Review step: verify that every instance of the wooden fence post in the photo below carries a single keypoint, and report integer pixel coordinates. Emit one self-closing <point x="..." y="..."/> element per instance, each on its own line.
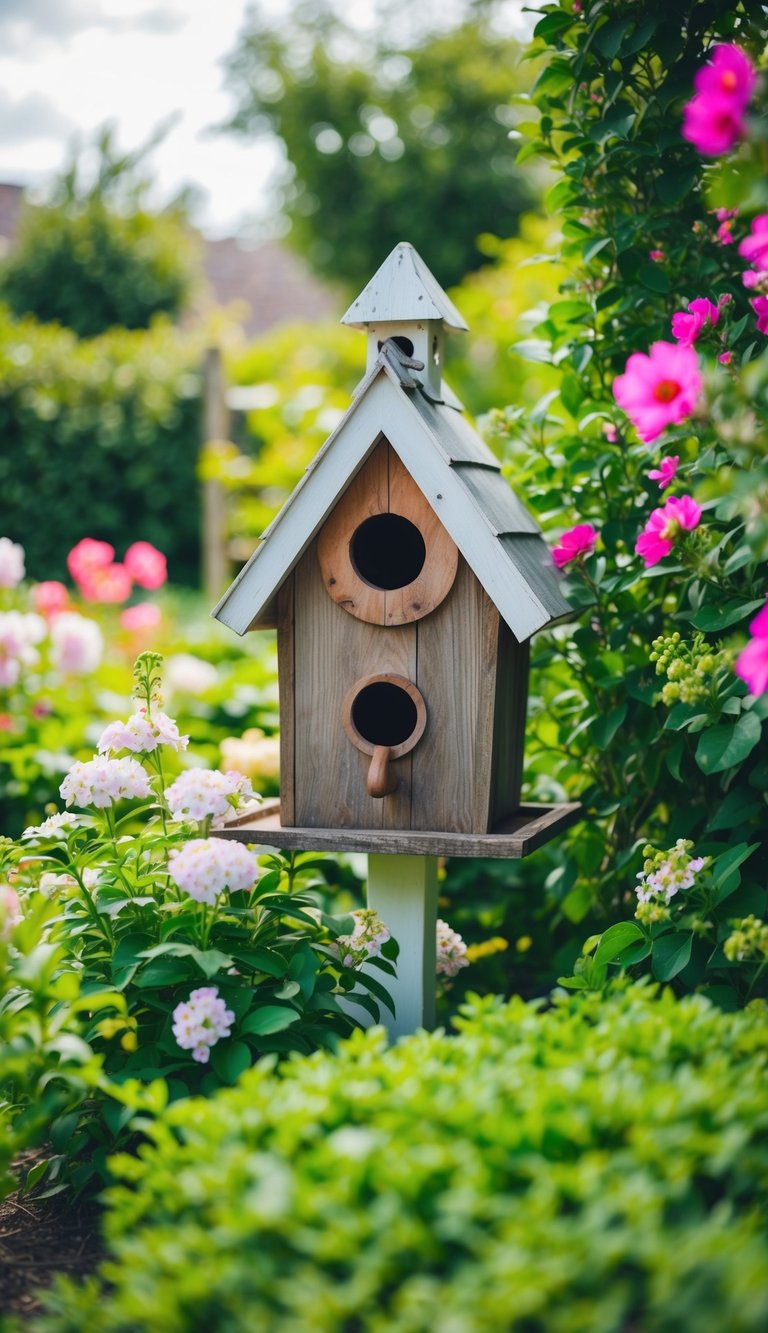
<point x="215" y="570"/>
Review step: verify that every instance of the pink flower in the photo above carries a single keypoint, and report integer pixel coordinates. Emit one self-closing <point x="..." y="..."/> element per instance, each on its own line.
<point x="659" y="389"/>
<point x="50" y="597"/>
<point x="142" y="616"/>
<point x="679" y="514"/>
<point x="730" y="74"/>
<point x="752" y="662"/>
<point x="610" y="432"/>
<point x="657" y="256"/>
<point x="760" y="307"/>
<point x="10" y="910"/>
<point x="202" y="1021"/>
<point x="11" y="563"/>
<point x="87" y="556"/>
<point x="713" y="119"/>
<point x="102" y="782"/>
<point x="725" y="358"/>
<point x="112" y="583"/>
<point x="77" y="643"/>
<point x="686" y="327"/>
<point x="576" y="542"/>
<point x="725" y="233"/>
<point x="664" y="474"/>
<point x="205" y="867"/>
<point x="754" y="248"/>
<point x="146" y="565"/>
<point x="142" y="734"/>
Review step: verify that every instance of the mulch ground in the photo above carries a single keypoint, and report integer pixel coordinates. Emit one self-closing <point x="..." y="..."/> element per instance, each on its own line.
<point x="40" y="1238"/>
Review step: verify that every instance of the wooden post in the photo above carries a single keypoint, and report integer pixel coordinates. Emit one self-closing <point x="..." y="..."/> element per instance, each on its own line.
<point x="215" y="570"/>
<point x="403" y="890"/>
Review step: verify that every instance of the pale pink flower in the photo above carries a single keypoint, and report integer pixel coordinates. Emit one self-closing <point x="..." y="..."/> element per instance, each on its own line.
<point x="713" y="119"/>
<point x="753" y="279"/>
<point x="87" y="556"/>
<point x="754" y="248"/>
<point x="451" y="951"/>
<point x="142" y="734"/>
<point x="752" y="662"/>
<point x="200" y="792"/>
<point x="77" y="643"/>
<point x="56" y="826"/>
<point x="188" y="674"/>
<point x="686" y="326"/>
<point x="760" y="307"/>
<point x="20" y="632"/>
<point x="610" y="432"/>
<point x="146" y="565"/>
<point x="112" y="583"/>
<point x="368" y="935"/>
<point x="50" y="597"/>
<point x="660" y="389"/>
<point x="10" y="910"/>
<point x="201" y="1021"/>
<point x="102" y="782"/>
<point x="205" y="867"/>
<point x="141" y="617"/>
<point x="574" y="543"/>
<point x="11" y="563"/>
<point x="679" y="514"/>
<point x="665" y="473"/>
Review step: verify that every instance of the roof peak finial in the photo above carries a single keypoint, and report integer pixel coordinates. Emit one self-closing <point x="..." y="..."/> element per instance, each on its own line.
<point x="403" y="290"/>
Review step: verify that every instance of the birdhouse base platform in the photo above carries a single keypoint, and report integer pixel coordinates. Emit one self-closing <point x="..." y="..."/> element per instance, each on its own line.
<point x="513" y="837"/>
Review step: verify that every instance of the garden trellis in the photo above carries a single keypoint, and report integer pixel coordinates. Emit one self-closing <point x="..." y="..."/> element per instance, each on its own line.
<point x="405" y="580"/>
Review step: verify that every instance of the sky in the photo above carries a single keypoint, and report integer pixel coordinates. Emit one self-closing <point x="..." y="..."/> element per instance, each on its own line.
<point x="69" y="66"/>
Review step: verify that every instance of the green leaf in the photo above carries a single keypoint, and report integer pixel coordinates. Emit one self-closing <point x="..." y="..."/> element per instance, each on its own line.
<point x="230" y="1059"/>
<point x="675" y="185"/>
<point x="616" y="939"/>
<point x="725" y="614"/>
<point x="571" y="394"/>
<point x="552" y="25"/>
<point x="654" y="278"/>
<point x="605" y="728"/>
<point x="723" y="877"/>
<point x="722" y="747"/>
<point x="611" y="35"/>
<point x="261" y="960"/>
<point x="671" y="954"/>
<point x="269" y="1018"/>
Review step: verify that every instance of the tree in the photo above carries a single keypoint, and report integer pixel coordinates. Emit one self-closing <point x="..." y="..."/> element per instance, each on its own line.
<point x="385" y="142"/>
<point x="94" y="256"/>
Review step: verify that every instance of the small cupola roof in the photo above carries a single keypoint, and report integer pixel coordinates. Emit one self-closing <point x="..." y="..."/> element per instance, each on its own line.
<point x="403" y="290"/>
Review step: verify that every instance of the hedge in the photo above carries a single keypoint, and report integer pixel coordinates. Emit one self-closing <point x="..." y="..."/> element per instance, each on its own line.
<point x="595" y="1167"/>
<point x="99" y="438"/>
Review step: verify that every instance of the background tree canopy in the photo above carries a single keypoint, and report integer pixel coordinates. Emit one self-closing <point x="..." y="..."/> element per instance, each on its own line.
<point x="385" y="141"/>
<point x="95" y="257"/>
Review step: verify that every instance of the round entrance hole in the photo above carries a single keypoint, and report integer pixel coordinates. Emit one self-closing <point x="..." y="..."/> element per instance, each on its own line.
<point x="387" y="551"/>
<point x="384" y="714"/>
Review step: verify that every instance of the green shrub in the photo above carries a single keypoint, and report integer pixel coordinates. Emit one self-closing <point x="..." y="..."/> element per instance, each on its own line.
<point x="599" y="1166"/>
<point x="99" y="439"/>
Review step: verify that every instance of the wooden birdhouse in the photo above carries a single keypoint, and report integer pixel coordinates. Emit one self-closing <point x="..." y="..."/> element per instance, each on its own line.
<point x="405" y="579"/>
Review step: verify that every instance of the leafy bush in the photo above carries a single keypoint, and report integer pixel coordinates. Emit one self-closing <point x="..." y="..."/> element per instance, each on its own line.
<point x="597" y="1166"/>
<point x="94" y="257"/>
<point x="103" y="435"/>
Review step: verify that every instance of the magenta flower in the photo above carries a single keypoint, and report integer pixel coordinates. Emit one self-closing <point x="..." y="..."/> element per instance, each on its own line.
<point x="713" y="119"/>
<point x="664" y="474"/>
<point x="679" y="514"/>
<point x="659" y="389"/>
<point x="576" y="542"/>
<point x="754" y="248"/>
<point x="725" y="358"/>
<point x="752" y="662"/>
<point x="687" y="325"/>
<point x="657" y="256"/>
<point x="760" y="307"/>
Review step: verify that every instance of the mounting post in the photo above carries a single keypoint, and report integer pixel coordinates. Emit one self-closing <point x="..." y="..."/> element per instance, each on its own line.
<point x="403" y="890"/>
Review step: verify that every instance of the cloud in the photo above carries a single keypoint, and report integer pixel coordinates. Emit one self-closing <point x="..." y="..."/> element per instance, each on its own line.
<point x="27" y="119"/>
<point x="30" y="25"/>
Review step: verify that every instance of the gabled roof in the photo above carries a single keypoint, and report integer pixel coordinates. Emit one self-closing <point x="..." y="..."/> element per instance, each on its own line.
<point x="403" y="289"/>
<point x="458" y="475"/>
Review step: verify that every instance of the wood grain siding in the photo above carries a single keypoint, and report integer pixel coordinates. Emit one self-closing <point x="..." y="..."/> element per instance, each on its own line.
<point x="286" y="691"/>
<point x="456" y="674"/>
<point x="333" y="651"/>
<point x="509" y="725"/>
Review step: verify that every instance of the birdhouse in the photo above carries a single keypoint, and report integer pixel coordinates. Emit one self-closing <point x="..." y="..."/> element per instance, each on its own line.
<point x="405" y="579"/>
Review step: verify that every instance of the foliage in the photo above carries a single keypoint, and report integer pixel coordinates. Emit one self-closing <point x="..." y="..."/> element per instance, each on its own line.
<point x="104" y="435"/>
<point x="94" y="257"/>
<point x="598" y="1165"/>
<point x="648" y="763"/>
<point x="388" y="136"/>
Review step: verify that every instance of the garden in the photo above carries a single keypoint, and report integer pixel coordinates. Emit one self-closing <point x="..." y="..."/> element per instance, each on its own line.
<point x="208" y="1115"/>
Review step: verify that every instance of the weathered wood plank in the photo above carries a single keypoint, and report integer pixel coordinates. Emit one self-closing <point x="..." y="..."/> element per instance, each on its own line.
<point x="286" y="692"/>
<point x="509" y="725"/>
<point x="518" y="835"/>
